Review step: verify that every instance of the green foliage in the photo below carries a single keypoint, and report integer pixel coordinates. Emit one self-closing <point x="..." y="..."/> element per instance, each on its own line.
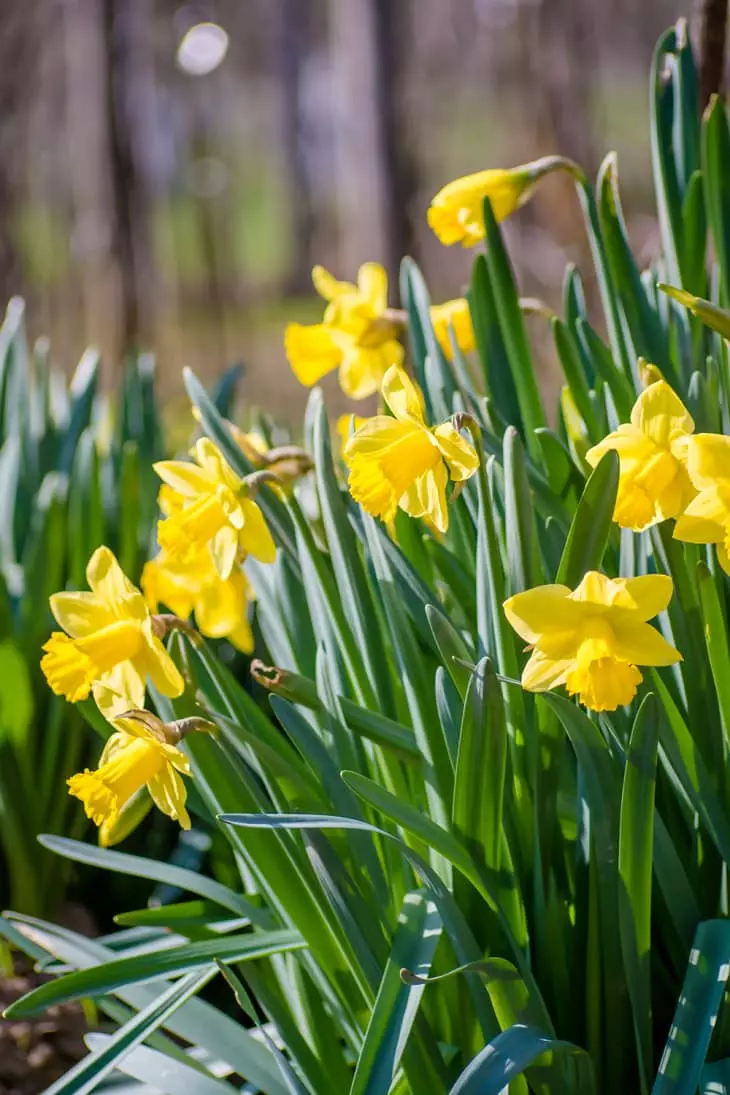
<point x="444" y="883"/>
<point x="71" y="477"/>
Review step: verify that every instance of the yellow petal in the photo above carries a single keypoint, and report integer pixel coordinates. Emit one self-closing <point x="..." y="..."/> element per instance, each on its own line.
<point x="362" y="370"/>
<point x="403" y="396"/>
<point x="459" y="454"/>
<point x="224" y="550"/>
<point x="107" y="579"/>
<point x="346" y="425"/>
<point x="372" y="284"/>
<point x="660" y="414"/>
<point x="80" y="614"/>
<point x="705" y="519"/>
<point x="328" y="287"/>
<point x="426" y="497"/>
<point x="160" y="668"/>
<point x="168" y="793"/>
<point x="214" y="464"/>
<point x="455" y="313"/>
<point x="119" y="690"/>
<point x="220" y="606"/>
<point x="543" y="673"/>
<point x="723" y="558"/>
<point x="642" y="644"/>
<point x="540" y="611"/>
<point x="455" y="213"/>
<point x="163" y="584"/>
<point x="650" y="594"/>
<point x="595" y="588"/>
<point x="311" y="351"/>
<point x="708" y="460"/>
<point x="255" y="538"/>
<point x="68" y="670"/>
<point x="186" y="480"/>
<point x="242" y="636"/>
<point x="628" y="441"/>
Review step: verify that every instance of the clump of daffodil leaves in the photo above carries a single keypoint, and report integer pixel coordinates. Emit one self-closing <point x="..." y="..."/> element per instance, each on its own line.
<point x="491" y="675"/>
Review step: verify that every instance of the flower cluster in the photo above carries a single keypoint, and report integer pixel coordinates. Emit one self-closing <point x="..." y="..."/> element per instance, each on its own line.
<point x="111" y="643"/>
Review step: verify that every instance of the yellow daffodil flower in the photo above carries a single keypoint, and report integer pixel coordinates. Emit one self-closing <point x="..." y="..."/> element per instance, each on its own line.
<point x="194" y="585"/>
<point x="357" y="336"/>
<point x="347" y="424"/>
<point x="593" y="638"/>
<point x="109" y="646"/>
<point x="654" y="482"/>
<point x="217" y="512"/>
<point x="139" y="754"/>
<point x="456" y="212"/>
<point x="401" y="461"/>
<point x="454" y="312"/>
<point x="706" y="519"/>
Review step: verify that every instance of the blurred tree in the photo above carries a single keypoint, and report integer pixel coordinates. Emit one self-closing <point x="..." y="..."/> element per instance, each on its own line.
<point x="17" y="49"/>
<point x="293" y="34"/>
<point x="712" y="20"/>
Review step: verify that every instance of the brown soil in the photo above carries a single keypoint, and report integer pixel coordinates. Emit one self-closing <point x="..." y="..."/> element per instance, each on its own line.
<point x="35" y="1052"/>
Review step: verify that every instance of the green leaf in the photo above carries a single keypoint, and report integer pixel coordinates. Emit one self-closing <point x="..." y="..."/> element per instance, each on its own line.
<point x="591" y="527"/>
<point x="694" y="1019"/>
<point x="392" y="1018"/>
<point x="167" y="962"/>
<point x="159" y="1072"/>
<point x="16" y="696"/>
<point x="514" y="334"/>
<point x="715" y="169"/>
<point x="506" y="1057"/>
<point x="166" y="873"/>
<point x="90" y="1071"/>
<point x="636" y="844"/>
<point x="498" y="381"/>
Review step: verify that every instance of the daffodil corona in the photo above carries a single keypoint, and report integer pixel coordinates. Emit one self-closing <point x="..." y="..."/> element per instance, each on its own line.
<point x="139" y="754"/>
<point x="402" y="462"/>
<point x="212" y="509"/>
<point x="706" y="519"/>
<point x="194" y="585"/>
<point x="108" y="644"/>
<point x="654" y="482"/>
<point x="593" y="638"/>
<point x="357" y="336"/>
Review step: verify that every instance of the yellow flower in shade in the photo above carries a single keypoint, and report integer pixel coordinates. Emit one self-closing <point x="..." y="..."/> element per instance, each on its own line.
<point x="217" y="512"/>
<point x="456" y="213"/>
<point x="454" y="312"/>
<point x="401" y="461"/>
<point x="109" y="645"/>
<point x="358" y="336"/>
<point x="592" y="639"/>
<point x="194" y="585"/>
<point x="654" y="482"/>
<point x="347" y="424"/>
<point x="139" y="754"/>
<point x="706" y="519"/>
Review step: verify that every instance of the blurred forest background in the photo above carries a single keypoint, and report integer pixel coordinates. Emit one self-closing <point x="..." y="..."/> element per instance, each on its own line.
<point x="168" y="187"/>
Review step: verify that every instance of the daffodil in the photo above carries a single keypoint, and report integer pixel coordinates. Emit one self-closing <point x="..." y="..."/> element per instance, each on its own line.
<point x="347" y="424"/>
<point x="654" y="483"/>
<point x="358" y="335"/>
<point x="456" y="313"/>
<point x="456" y="212"/>
<point x="141" y="753"/>
<point x="593" y="638"/>
<point x="194" y="585"/>
<point x="706" y="519"/>
<point x="108" y="644"/>
<point x="402" y="462"/>
<point x="216" y="513"/>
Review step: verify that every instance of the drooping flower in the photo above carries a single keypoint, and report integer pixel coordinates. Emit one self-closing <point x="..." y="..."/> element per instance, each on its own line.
<point x="357" y="336"/>
<point x="654" y="483"/>
<point x="141" y="753"/>
<point x="456" y="212"/>
<point x="194" y="585"/>
<point x="217" y="512"/>
<point x="706" y="519"/>
<point x="593" y="638"/>
<point x="402" y="462"/>
<point x="455" y="312"/>
<point x="108" y="644"/>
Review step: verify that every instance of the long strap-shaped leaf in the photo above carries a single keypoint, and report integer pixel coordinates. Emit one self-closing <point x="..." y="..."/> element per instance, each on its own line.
<point x="507" y="1056"/>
